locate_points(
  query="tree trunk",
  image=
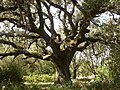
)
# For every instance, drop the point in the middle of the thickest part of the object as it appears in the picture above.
(63, 75)
(62, 60)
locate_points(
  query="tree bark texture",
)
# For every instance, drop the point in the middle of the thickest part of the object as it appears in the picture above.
(62, 73)
(62, 63)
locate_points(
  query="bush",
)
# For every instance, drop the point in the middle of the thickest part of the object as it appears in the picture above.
(47, 68)
(11, 72)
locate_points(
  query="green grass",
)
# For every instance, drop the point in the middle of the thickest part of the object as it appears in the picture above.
(39, 87)
(45, 82)
(78, 85)
(39, 78)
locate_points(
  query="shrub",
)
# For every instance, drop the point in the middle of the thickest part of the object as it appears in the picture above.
(11, 72)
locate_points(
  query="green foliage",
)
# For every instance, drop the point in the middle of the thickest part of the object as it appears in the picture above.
(33, 67)
(75, 86)
(112, 40)
(102, 86)
(92, 4)
(47, 68)
(103, 73)
(12, 86)
(114, 65)
(11, 72)
(39, 78)
(66, 87)
(85, 69)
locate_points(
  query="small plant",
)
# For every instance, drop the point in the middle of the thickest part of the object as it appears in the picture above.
(39, 78)
(12, 86)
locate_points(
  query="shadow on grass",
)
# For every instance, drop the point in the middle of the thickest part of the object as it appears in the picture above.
(103, 86)
(46, 86)
(78, 85)
(39, 86)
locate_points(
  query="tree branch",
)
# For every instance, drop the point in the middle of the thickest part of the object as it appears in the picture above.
(21, 51)
(13, 8)
(52, 30)
(78, 6)
(12, 20)
(27, 36)
(89, 39)
(68, 14)
(83, 47)
(33, 27)
(10, 43)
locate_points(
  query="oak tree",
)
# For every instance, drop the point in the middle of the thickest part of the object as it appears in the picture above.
(34, 22)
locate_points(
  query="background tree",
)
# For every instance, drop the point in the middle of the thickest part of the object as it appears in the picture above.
(32, 22)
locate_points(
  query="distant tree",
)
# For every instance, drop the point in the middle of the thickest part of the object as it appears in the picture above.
(32, 28)
(75, 64)
(114, 38)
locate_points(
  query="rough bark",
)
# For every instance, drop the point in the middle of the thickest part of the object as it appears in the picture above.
(62, 74)
(62, 63)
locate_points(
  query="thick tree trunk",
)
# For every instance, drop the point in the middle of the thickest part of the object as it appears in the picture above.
(63, 75)
(62, 60)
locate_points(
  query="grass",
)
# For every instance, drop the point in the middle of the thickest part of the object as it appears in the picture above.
(51, 86)
(78, 85)
(40, 86)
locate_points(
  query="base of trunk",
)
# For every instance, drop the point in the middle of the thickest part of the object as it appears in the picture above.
(63, 75)
(62, 79)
